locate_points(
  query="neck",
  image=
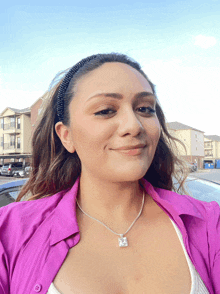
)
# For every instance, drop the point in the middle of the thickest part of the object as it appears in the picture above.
(107, 201)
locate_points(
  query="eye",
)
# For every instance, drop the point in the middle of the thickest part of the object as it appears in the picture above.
(147, 110)
(105, 112)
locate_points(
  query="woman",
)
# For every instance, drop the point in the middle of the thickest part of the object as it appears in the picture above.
(102, 215)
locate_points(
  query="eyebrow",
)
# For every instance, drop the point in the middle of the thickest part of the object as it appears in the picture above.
(119, 96)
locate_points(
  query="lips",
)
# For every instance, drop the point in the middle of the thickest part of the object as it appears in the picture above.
(131, 149)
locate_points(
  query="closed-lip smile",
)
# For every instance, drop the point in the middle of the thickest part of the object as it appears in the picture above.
(131, 150)
(130, 147)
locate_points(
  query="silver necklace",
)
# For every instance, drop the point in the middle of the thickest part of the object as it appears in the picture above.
(122, 241)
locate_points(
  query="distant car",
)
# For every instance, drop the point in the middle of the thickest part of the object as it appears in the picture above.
(194, 166)
(8, 169)
(198, 188)
(22, 173)
(19, 173)
(10, 191)
(191, 167)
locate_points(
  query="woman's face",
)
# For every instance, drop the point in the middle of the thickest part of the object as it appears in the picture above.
(113, 125)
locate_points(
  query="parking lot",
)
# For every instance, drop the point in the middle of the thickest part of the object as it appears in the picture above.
(4, 179)
(208, 174)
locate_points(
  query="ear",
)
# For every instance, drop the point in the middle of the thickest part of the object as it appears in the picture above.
(64, 133)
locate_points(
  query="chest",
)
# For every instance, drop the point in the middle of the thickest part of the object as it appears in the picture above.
(154, 262)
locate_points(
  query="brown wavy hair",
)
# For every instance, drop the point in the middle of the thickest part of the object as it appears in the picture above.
(55, 169)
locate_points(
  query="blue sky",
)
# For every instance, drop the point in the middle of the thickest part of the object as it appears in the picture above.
(176, 42)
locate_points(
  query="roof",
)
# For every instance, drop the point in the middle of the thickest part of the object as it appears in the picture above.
(20, 110)
(179, 126)
(24, 110)
(213, 137)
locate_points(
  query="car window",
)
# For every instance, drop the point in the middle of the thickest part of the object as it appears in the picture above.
(17, 164)
(9, 195)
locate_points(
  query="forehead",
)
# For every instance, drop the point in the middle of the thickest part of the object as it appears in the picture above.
(112, 77)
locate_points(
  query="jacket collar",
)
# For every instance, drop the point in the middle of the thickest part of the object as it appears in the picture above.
(64, 221)
(173, 202)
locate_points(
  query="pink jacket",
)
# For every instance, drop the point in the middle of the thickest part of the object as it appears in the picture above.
(35, 237)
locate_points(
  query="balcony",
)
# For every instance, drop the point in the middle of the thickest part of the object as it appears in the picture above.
(11, 128)
(11, 147)
(8, 146)
(10, 125)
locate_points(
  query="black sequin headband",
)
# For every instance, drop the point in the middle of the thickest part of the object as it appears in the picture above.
(64, 85)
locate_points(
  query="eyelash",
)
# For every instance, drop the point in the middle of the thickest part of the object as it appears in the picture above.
(103, 112)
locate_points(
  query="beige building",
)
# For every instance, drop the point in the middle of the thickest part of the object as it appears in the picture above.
(193, 140)
(212, 147)
(15, 132)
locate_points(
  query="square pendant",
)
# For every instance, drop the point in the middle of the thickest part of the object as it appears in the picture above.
(123, 242)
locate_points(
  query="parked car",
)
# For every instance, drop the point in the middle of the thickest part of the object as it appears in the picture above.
(191, 167)
(198, 188)
(8, 169)
(22, 173)
(204, 190)
(0, 168)
(10, 191)
(28, 170)
(19, 173)
(194, 166)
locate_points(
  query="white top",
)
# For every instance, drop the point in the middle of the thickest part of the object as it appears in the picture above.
(197, 286)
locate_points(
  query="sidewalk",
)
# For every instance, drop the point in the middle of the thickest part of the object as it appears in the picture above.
(203, 170)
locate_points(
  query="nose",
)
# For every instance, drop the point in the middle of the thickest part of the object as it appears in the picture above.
(130, 124)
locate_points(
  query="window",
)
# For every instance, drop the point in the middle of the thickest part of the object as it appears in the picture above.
(12, 122)
(196, 136)
(1, 140)
(12, 140)
(2, 123)
(18, 123)
(18, 142)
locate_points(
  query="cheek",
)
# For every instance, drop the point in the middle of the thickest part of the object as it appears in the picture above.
(153, 130)
(90, 137)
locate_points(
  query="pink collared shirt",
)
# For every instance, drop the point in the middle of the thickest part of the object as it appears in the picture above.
(35, 237)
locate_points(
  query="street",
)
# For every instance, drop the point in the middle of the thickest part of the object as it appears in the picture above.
(4, 179)
(209, 174)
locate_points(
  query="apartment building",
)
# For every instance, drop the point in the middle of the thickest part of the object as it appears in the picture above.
(15, 133)
(193, 140)
(212, 147)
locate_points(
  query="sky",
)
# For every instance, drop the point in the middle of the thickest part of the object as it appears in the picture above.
(177, 43)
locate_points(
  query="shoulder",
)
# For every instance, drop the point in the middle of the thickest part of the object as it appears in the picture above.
(19, 220)
(27, 211)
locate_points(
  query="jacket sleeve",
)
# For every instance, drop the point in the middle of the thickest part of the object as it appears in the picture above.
(214, 243)
(4, 277)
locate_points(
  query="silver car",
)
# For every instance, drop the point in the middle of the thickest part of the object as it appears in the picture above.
(8, 169)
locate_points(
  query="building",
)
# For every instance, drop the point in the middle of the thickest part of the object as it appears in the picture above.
(193, 140)
(36, 110)
(15, 134)
(212, 147)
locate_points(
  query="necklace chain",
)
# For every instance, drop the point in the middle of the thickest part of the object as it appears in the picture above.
(107, 226)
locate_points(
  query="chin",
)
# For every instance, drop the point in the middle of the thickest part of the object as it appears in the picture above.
(131, 175)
